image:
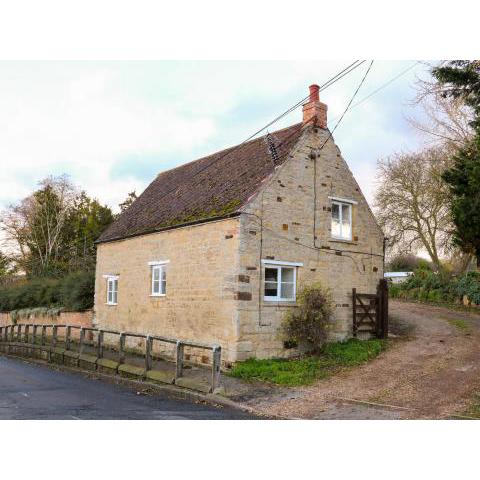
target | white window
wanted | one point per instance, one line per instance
(341, 220)
(280, 281)
(112, 289)
(159, 278)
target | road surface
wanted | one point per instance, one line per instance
(31, 391)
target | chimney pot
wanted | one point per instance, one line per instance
(314, 93)
(314, 111)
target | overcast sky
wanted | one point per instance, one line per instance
(112, 126)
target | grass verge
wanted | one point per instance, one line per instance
(306, 370)
(460, 324)
(474, 409)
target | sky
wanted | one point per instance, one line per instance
(113, 126)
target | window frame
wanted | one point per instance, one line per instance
(342, 202)
(112, 280)
(280, 266)
(161, 266)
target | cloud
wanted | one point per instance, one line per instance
(112, 126)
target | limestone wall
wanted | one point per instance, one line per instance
(286, 206)
(215, 274)
(200, 302)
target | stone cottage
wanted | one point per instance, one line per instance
(217, 249)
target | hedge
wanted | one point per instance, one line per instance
(438, 287)
(74, 292)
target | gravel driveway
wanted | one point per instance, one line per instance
(431, 371)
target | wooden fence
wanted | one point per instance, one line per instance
(74, 344)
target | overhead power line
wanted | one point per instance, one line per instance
(348, 106)
(350, 68)
(386, 84)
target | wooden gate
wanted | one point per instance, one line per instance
(370, 311)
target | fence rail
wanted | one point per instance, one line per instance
(88, 345)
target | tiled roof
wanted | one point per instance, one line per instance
(211, 187)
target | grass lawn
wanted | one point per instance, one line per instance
(306, 370)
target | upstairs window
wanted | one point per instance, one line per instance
(112, 289)
(159, 278)
(341, 220)
(280, 281)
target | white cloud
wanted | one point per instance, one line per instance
(83, 118)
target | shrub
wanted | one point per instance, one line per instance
(438, 287)
(77, 291)
(73, 292)
(394, 290)
(309, 323)
(469, 285)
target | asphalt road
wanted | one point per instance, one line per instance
(31, 391)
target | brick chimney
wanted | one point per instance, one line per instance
(314, 111)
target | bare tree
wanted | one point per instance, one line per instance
(412, 202)
(447, 120)
(35, 224)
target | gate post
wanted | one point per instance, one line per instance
(354, 310)
(378, 311)
(385, 307)
(382, 311)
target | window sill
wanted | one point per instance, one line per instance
(111, 304)
(279, 304)
(341, 240)
(275, 303)
(156, 295)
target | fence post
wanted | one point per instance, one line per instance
(80, 346)
(19, 333)
(100, 344)
(27, 333)
(44, 334)
(54, 336)
(217, 355)
(148, 353)
(354, 310)
(121, 349)
(179, 359)
(68, 333)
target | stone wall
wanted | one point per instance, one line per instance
(286, 207)
(215, 274)
(81, 319)
(201, 298)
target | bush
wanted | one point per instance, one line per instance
(469, 285)
(438, 287)
(309, 323)
(77, 291)
(74, 292)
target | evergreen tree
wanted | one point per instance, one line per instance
(461, 79)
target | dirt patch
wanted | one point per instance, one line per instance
(431, 371)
